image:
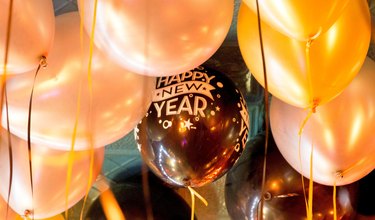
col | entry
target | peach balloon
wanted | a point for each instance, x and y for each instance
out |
(300, 19)
(341, 133)
(119, 98)
(306, 79)
(49, 168)
(153, 37)
(31, 35)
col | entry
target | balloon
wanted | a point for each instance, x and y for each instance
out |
(12, 215)
(195, 129)
(159, 38)
(129, 194)
(119, 98)
(334, 57)
(298, 19)
(340, 132)
(49, 168)
(283, 198)
(31, 35)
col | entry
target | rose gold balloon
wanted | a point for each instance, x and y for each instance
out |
(154, 37)
(119, 98)
(340, 132)
(31, 35)
(49, 176)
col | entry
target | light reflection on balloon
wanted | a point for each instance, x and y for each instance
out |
(31, 35)
(49, 168)
(340, 132)
(119, 98)
(335, 57)
(158, 38)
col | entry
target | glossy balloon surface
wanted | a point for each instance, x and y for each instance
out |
(31, 35)
(119, 98)
(300, 19)
(340, 132)
(49, 168)
(284, 199)
(159, 38)
(195, 129)
(313, 77)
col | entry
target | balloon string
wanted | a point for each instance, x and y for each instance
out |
(313, 101)
(303, 124)
(42, 63)
(334, 201)
(146, 192)
(89, 76)
(78, 110)
(310, 214)
(194, 194)
(266, 108)
(3, 93)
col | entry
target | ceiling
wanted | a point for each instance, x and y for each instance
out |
(122, 155)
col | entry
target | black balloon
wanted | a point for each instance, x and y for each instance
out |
(283, 198)
(129, 193)
(195, 129)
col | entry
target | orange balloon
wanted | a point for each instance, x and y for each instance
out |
(12, 215)
(306, 81)
(31, 35)
(156, 38)
(50, 169)
(300, 19)
(119, 98)
(341, 133)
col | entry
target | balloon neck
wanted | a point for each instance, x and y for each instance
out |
(43, 61)
(26, 214)
(339, 174)
(315, 104)
(314, 36)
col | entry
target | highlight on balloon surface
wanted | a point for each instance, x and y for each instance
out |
(49, 174)
(340, 133)
(284, 194)
(118, 101)
(300, 19)
(304, 75)
(31, 34)
(195, 129)
(159, 38)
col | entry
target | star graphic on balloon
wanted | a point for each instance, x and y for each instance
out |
(188, 124)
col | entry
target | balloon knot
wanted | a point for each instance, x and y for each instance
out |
(315, 104)
(339, 174)
(26, 214)
(43, 61)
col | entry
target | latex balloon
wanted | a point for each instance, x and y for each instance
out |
(12, 215)
(298, 19)
(49, 168)
(159, 38)
(195, 129)
(129, 197)
(340, 133)
(119, 98)
(283, 198)
(307, 77)
(31, 35)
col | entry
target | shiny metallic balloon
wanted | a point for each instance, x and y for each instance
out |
(195, 129)
(283, 198)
